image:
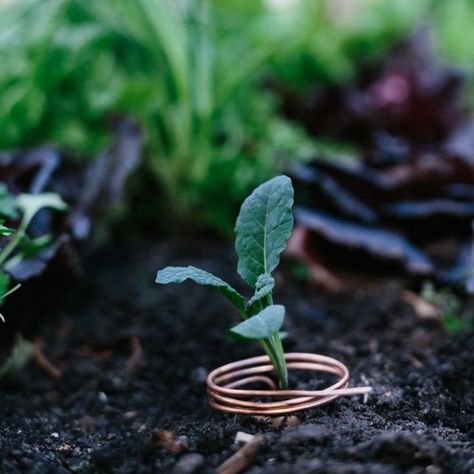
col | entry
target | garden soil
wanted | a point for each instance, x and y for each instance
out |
(134, 358)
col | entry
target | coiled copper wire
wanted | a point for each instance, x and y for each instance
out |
(225, 395)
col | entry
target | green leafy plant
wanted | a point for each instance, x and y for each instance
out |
(4, 278)
(452, 315)
(264, 224)
(209, 125)
(19, 247)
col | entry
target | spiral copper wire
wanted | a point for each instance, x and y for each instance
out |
(225, 395)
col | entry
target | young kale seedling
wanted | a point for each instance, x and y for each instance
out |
(264, 224)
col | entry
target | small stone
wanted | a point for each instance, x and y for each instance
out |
(241, 437)
(189, 463)
(103, 397)
(431, 469)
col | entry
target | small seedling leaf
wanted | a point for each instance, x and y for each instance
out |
(31, 247)
(263, 287)
(262, 325)
(30, 204)
(8, 207)
(263, 227)
(5, 230)
(201, 277)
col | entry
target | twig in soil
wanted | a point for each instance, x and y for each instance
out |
(43, 363)
(366, 395)
(242, 458)
(423, 309)
(416, 362)
(134, 361)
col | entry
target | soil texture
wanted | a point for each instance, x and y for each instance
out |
(133, 358)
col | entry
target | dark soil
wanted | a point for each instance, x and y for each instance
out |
(100, 417)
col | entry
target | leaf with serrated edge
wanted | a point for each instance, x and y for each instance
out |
(263, 227)
(201, 277)
(262, 325)
(263, 288)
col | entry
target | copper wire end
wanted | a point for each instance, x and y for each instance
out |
(225, 395)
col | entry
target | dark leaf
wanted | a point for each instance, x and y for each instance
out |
(381, 245)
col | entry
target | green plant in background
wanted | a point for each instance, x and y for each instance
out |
(19, 246)
(452, 33)
(191, 72)
(195, 74)
(5, 289)
(264, 224)
(453, 317)
(327, 40)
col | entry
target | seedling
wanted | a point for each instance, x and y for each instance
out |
(19, 247)
(264, 224)
(453, 317)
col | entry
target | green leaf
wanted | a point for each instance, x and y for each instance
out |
(7, 203)
(5, 230)
(262, 325)
(201, 277)
(30, 204)
(4, 284)
(263, 227)
(263, 287)
(31, 247)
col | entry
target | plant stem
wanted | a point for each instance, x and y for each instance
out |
(282, 368)
(279, 361)
(13, 242)
(275, 345)
(274, 349)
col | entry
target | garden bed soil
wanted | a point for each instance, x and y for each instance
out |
(134, 359)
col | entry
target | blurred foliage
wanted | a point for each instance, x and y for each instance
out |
(196, 75)
(17, 360)
(453, 316)
(329, 40)
(452, 33)
(453, 36)
(15, 245)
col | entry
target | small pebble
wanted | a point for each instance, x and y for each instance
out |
(103, 397)
(189, 463)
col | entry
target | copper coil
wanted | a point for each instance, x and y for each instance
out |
(225, 395)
